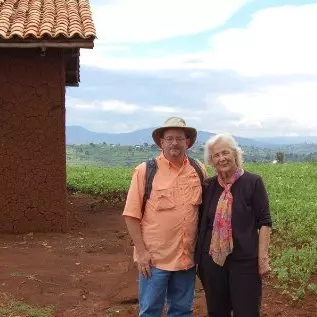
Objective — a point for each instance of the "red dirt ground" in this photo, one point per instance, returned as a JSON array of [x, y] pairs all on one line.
[[89, 271]]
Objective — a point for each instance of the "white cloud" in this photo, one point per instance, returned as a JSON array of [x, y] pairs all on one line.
[[110, 48], [82, 106], [150, 20], [197, 74], [114, 106], [139, 21], [273, 111], [282, 110], [118, 106], [277, 41], [165, 109]]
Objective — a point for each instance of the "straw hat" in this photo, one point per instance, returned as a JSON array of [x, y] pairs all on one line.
[[174, 123]]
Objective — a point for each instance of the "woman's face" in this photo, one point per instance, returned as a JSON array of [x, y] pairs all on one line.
[[223, 158]]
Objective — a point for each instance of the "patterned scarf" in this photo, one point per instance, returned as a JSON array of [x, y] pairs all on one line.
[[221, 244]]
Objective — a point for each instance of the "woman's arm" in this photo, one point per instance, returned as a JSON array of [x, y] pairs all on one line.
[[263, 254], [207, 190], [264, 224]]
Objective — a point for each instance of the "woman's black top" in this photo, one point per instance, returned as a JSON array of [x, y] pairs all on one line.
[[250, 211]]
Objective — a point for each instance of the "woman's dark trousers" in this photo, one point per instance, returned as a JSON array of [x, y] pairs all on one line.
[[236, 287]]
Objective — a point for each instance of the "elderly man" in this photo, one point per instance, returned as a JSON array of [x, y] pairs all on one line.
[[164, 235]]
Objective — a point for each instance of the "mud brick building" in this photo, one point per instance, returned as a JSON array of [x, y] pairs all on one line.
[[40, 41]]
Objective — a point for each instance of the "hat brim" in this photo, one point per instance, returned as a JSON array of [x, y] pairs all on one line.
[[191, 133]]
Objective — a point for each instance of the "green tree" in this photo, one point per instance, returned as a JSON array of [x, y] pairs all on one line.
[[280, 157]]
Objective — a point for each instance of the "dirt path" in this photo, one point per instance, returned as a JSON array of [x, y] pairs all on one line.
[[88, 271]]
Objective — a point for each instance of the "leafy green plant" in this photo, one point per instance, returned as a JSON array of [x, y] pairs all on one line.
[[293, 201], [13, 307]]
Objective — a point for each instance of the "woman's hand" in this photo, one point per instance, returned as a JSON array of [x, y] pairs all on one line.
[[264, 266]]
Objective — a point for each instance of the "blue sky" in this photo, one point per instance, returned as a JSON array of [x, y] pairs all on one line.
[[246, 67]]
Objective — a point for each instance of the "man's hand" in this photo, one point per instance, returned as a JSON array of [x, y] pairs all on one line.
[[144, 263], [143, 257], [264, 266]]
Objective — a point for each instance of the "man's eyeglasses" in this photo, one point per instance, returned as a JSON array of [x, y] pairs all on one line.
[[170, 139]]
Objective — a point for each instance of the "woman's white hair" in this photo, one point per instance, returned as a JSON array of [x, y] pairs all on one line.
[[232, 143]]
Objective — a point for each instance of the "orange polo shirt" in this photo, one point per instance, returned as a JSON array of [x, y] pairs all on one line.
[[169, 224]]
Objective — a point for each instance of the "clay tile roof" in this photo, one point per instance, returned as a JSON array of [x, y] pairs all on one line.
[[27, 19]]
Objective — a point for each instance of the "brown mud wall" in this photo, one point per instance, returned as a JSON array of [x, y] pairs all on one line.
[[32, 141]]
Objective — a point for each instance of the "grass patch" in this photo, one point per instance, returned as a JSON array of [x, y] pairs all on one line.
[[293, 201], [12, 307], [110, 182]]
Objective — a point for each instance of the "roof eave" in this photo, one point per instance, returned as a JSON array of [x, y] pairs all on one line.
[[43, 44]]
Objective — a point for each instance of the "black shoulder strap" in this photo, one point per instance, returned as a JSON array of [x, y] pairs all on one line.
[[150, 171], [197, 168]]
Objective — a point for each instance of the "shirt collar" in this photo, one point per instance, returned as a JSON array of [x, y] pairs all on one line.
[[165, 161]]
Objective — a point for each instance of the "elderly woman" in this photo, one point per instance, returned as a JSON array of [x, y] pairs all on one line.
[[234, 233]]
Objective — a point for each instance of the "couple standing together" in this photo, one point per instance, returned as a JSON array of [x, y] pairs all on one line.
[[217, 228]]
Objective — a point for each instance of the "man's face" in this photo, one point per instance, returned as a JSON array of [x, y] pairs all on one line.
[[174, 143]]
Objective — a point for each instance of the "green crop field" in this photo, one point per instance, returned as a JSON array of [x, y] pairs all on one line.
[[292, 191]]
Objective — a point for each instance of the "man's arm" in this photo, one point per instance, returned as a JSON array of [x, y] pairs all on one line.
[[143, 257], [132, 214], [134, 228]]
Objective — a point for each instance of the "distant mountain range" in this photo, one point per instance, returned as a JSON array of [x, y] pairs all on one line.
[[80, 135]]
